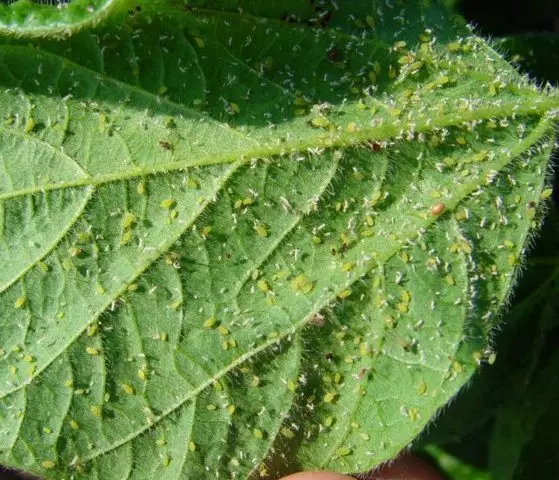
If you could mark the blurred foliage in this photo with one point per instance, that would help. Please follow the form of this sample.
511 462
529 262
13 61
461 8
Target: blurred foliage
455 467
498 18
537 54
525 433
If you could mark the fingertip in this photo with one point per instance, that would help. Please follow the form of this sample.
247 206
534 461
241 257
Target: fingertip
317 476
404 467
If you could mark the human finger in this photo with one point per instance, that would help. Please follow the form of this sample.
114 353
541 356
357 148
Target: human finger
405 467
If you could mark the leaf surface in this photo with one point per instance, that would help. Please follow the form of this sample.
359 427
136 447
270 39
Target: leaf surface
528 326
231 236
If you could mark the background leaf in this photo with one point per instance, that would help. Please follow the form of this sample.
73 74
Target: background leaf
537 54
503 17
454 467
522 440
233 258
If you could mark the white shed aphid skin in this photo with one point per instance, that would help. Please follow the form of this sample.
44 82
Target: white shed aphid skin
285 205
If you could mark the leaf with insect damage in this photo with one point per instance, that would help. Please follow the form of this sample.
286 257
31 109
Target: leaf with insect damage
243 240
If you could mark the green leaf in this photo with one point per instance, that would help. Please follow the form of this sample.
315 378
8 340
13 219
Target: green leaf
231 235
527 328
501 391
454 467
47 18
525 431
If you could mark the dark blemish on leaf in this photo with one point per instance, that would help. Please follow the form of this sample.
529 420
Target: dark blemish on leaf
165 144
334 55
318 320
409 346
328 356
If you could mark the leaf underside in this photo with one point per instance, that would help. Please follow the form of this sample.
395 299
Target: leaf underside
231 238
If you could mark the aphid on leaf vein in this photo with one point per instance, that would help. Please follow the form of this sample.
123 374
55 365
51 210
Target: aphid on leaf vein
165 144
374 146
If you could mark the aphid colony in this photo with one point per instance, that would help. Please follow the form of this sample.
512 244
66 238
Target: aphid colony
246 254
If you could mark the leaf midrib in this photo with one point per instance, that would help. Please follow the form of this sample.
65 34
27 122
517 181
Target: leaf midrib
331 141
467 190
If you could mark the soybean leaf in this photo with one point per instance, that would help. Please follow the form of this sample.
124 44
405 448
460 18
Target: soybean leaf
526 327
526 429
524 424
236 236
